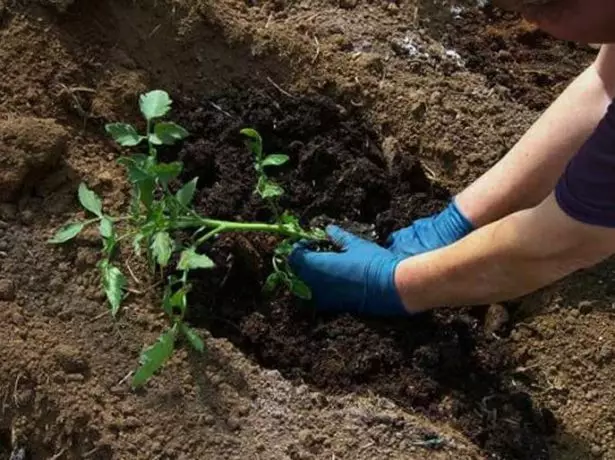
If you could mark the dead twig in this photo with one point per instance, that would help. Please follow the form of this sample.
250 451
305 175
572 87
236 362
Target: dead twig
97 317
276 86
125 378
59 454
220 109
269 20
132 273
315 58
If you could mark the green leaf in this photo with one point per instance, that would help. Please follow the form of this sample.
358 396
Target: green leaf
273 281
271 190
299 288
136 171
185 194
146 192
284 248
155 104
106 227
136 243
276 159
67 232
194 338
189 259
113 283
154 357
167 133
124 134
255 141
89 200
162 248
166 172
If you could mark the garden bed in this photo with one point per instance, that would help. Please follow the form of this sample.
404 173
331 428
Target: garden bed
377 135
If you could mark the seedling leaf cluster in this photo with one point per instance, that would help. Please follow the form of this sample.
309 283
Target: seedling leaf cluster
158 216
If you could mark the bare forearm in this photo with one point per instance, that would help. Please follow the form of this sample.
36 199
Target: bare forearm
528 173
504 260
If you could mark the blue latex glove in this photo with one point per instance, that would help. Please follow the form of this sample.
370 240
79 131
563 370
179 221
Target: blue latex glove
430 233
359 279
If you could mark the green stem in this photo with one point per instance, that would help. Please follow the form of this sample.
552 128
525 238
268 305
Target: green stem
220 226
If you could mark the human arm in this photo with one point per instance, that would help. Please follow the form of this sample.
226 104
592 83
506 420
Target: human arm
527 174
573 228
514 256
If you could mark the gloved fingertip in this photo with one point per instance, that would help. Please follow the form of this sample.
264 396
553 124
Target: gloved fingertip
339 236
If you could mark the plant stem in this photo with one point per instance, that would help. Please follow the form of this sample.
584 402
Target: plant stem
220 226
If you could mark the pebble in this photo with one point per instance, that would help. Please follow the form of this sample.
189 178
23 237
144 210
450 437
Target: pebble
585 307
596 451
27 217
70 360
7 290
496 318
606 353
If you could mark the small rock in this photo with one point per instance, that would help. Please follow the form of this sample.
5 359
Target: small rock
591 395
27 217
585 307
348 4
606 353
70 360
495 319
596 450
575 313
435 98
132 422
233 423
418 110
75 378
7 290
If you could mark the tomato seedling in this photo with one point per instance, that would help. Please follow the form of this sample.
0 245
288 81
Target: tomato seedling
158 217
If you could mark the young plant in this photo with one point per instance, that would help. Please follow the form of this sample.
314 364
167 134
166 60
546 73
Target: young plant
157 217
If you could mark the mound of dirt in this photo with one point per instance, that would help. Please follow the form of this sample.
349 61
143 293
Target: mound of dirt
29 147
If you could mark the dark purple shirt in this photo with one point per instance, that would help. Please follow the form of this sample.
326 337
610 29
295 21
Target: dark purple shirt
586 190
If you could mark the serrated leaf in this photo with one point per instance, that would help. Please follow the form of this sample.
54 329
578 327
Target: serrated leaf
154 357
67 232
113 284
255 141
106 227
277 159
185 194
162 248
189 260
90 200
167 133
124 134
155 104
166 172
272 282
300 289
194 338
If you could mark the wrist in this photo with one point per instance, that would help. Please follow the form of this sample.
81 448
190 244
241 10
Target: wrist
407 283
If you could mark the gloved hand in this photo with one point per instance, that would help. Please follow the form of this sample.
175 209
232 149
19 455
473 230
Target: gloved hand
359 279
430 233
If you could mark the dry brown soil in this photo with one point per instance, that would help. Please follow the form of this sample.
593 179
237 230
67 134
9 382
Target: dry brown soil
385 108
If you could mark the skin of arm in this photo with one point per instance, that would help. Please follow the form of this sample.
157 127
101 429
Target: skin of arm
528 173
503 260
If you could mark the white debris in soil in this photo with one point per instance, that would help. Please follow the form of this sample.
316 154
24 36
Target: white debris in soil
456 11
416 48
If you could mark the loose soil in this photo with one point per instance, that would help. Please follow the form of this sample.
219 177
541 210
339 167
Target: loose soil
382 121
442 365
